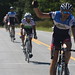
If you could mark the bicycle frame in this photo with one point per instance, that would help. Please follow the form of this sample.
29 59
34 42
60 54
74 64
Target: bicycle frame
61 65
27 48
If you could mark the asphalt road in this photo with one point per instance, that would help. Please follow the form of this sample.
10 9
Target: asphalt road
12 59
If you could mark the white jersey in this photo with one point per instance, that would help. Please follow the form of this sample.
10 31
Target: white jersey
26 24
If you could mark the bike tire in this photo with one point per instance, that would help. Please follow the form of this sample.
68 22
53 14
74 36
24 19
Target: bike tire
12 39
26 52
59 70
28 57
12 34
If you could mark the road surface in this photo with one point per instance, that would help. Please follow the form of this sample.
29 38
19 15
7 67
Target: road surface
12 59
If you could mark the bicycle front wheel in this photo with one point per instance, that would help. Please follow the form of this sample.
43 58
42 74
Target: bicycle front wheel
27 56
59 70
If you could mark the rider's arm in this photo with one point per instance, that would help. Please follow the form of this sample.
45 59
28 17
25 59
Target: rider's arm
21 26
38 12
34 29
41 14
5 18
73 32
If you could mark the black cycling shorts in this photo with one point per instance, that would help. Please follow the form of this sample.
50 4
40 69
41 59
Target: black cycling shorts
12 20
28 31
60 36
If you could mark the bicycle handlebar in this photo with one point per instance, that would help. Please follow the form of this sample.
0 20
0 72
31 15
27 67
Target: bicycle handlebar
72 50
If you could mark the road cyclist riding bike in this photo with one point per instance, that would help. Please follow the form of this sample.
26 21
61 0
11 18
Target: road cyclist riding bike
5 21
12 18
28 27
64 23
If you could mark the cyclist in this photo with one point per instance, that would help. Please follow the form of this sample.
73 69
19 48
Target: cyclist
12 18
64 21
5 21
29 26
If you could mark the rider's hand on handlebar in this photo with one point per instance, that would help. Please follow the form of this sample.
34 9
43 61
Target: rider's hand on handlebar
35 4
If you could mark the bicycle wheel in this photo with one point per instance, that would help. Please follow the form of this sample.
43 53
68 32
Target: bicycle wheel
59 70
66 71
26 52
12 35
28 56
28 49
12 38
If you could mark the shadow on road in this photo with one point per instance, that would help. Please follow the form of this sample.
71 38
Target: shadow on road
40 63
16 42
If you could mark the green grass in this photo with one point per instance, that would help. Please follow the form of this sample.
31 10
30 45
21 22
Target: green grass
39 28
44 29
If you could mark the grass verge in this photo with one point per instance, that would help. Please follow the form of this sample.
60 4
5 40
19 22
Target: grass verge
44 29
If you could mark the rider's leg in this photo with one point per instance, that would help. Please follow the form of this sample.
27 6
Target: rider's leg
22 36
13 28
9 28
68 52
31 55
31 43
67 55
53 63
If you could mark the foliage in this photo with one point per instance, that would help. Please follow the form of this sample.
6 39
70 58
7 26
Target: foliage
23 6
45 23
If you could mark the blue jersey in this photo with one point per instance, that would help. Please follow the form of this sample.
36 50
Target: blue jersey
11 17
11 14
62 27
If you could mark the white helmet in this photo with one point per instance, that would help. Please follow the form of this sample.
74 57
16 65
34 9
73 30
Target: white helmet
28 15
11 7
66 6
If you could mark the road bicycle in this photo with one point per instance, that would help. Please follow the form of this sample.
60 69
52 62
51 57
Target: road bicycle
12 34
27 48
61 66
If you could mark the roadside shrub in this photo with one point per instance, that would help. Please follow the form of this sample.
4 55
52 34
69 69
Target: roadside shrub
44 23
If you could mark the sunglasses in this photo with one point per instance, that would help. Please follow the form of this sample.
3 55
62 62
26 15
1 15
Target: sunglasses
28 17
66 12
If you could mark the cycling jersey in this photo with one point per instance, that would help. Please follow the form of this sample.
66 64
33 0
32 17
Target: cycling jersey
26 24
61 28
62 25
56 16
12 16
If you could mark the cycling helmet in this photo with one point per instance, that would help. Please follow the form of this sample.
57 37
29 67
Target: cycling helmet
66 6
27 15
11 7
